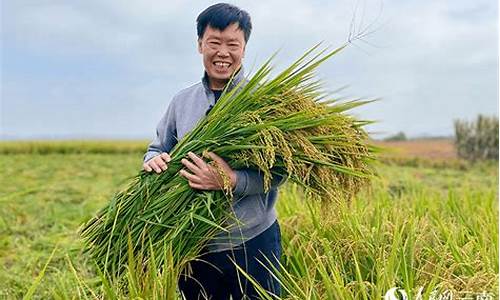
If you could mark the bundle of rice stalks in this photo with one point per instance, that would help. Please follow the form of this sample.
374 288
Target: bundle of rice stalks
285 125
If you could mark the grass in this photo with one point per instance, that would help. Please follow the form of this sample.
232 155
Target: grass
436 231
72 147
44 198
414 227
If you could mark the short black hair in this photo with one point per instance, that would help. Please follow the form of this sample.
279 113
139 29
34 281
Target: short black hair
220 16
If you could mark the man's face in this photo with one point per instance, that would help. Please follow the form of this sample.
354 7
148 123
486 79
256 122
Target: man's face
222 53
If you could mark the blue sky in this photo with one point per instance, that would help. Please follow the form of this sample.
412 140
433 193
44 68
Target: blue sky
108 69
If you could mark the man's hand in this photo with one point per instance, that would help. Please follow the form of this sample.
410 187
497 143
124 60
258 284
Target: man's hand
157 163
204 176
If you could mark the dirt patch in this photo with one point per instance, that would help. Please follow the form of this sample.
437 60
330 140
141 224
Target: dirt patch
421 148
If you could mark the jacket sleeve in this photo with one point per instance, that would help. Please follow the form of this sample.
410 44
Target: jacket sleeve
166 134
251 181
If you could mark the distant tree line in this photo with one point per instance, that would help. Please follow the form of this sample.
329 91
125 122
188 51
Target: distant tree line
400 136
477 140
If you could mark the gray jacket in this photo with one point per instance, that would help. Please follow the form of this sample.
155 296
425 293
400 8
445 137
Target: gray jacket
254 208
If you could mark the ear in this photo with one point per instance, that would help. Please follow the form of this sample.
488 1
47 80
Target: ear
199 46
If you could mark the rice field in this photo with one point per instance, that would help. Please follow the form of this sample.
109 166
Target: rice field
418 228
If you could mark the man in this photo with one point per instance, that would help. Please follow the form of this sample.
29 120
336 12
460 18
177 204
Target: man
223 31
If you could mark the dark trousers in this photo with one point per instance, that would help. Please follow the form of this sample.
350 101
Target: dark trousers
215 277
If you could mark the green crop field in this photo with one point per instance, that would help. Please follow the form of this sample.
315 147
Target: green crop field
422 229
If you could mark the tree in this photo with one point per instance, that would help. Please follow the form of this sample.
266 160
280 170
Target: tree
400 136
477 140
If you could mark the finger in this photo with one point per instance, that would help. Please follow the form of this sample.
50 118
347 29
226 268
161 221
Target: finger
190 176
146 167
166 157
214 156
197 160
160 163
192 167
196 186
225 167
217 158
220 162
155 167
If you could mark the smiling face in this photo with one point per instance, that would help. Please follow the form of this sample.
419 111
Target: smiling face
222 53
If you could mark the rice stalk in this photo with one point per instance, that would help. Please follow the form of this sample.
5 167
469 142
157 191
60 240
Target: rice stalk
281 126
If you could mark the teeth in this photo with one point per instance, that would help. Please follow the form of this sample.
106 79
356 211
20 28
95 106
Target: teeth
222 64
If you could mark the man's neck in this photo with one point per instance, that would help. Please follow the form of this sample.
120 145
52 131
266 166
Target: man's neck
217 85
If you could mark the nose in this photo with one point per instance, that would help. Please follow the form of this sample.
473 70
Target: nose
222 52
